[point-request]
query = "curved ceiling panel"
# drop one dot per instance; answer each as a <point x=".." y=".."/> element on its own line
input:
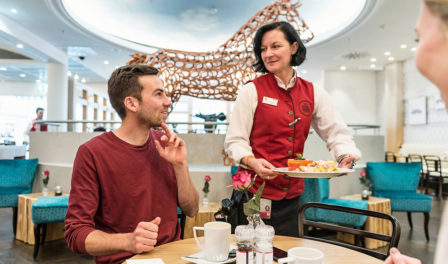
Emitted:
<point x="198" y="25"/>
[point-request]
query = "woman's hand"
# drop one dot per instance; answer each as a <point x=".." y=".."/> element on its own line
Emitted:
<point x="263" y="168"/>
<point x="396" y="257"/>
<point x="347" y="162"/>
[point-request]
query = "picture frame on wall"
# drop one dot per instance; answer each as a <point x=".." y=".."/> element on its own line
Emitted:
<point x="436" y="109"/>
<point x="416" y="111"/>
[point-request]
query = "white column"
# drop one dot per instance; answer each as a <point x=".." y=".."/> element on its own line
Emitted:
<point x="57" y="93"/>
<point x="394" y="93"/>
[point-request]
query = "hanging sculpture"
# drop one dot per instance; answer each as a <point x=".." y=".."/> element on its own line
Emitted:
<point x="219" y="74"/>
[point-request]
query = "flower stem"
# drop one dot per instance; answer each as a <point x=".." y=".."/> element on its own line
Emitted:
<point x="247" y="195"/>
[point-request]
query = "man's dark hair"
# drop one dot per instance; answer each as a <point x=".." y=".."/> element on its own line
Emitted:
<point x="124" y="82"/>
<point x="39" y="108"/>
<point x="290" y="34"/>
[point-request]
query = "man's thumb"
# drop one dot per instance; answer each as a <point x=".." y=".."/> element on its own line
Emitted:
<point x="156" y="220"/>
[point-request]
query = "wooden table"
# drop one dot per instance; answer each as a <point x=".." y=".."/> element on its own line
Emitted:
<point x="205" y="214"/>
<point x="25" y="225"/>
<point x="170" y="253"/>
<point x="373" y="224"/>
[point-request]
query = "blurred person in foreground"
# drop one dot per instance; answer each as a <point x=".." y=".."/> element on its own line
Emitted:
<point x="127" y="183"/>
<point x="432" y="61"/>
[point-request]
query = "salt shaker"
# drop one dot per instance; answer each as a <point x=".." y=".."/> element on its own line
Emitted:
<point x="245" y="244"/>
<point x="264" y="235"/>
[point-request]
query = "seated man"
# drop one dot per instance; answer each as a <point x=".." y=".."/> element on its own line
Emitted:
<point x="127" y="183"/>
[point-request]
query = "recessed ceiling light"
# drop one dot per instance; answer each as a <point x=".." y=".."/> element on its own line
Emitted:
<point x="76" y="76"/>
<point x="373" y="59"/>
<point x="19" y="45"/>
<point x="391" y="58"/>
<point x="23" y="75"/>
<point x="38" y="81"/>
<point x="414" y="49"/>
<point x="83" y="80"/>
<point x="3" y="69"/>
<point x="372" y="65"/>
<point x="304" y="71"/>
<point x="343" y="68"/>
<point x="403" y="46"/>
<point x="106" y="62"/>
<point x="69" y="73"/>
<point x="387" y="53"/>
<point x="13" y="10"/>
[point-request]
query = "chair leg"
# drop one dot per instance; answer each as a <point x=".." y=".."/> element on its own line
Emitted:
<point x="410" y="219"/>
<point x="37" y="239"/>
<point x="426" y="226"/>
<point x="44" y="234"/>
<point x="440" y="188"/>
<point x="14" y="220"/>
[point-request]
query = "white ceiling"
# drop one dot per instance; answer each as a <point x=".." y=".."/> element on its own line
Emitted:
<point x="387" y="25"/>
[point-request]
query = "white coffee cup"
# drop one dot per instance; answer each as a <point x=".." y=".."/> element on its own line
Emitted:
<point x="303" y="255"/>
<point x="217" y="240"/>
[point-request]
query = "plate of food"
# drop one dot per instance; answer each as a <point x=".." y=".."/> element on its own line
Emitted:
<point x="313" y="169"/>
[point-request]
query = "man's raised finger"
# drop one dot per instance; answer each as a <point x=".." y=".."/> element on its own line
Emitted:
<point x="166" y="129"/>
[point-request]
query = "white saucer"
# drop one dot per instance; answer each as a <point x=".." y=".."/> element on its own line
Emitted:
<point x="199" y="258"/>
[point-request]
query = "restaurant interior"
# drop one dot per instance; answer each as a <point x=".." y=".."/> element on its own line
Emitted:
<point x="59" y="55"/>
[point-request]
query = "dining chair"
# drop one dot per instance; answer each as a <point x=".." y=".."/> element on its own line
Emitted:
<point x="419" y="158"/>
<point x="435" y="174"/>
<point x="16" y="177"/>
<point x="390" y="157"/>
<point x="398" y="182"/>
<point x="317" y="190"/>
<point x="392" y="239"/>
<point x="46" y="210"/>
<point x="181" y="218"/>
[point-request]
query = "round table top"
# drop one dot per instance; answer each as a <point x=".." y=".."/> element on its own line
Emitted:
<point x="172" y="252"/>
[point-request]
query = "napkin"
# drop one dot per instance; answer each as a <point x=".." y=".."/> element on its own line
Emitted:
<point x="145" y="261"/>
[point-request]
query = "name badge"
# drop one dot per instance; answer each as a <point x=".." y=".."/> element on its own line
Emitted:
<point x="265" y="208"/>
<point x="270" y="101"/>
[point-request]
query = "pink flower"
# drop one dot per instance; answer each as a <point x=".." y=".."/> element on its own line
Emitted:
<point x="47" y="172"/>
<point x="207" y="178"/>
<point x="363" y="174"/>
<point x="241" y="180"/>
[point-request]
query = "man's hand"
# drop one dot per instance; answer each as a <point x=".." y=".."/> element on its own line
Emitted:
<point x="144" y="237"/>
<point x="396" y="257"/>
<point x="175" y="151"/>
<point x="263" y="168"/>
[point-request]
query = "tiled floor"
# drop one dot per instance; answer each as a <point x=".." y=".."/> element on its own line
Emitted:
<point x="13" y="251"/>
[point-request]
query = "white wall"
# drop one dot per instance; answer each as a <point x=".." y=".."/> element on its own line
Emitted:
<point x="432" y="134"/>
<point x="353" y="94"/>
<point x="20" y="89"/>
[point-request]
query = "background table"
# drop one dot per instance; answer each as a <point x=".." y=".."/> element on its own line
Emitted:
<point x="373" y="224"/>
<point x="205" y="214"/>
<point x="170" y="253"/>
<point x="25" y="225"/>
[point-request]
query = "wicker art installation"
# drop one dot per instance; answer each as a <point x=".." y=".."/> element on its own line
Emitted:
<point x="219" y="74"/>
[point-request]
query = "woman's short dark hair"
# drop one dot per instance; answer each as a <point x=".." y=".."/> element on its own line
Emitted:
<point x="124" y="82"/>
<point x="290" y="34"/>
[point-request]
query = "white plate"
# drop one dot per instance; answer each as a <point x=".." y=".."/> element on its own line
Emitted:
<point x="199" y="258"/>
<point x="301" y="174"/>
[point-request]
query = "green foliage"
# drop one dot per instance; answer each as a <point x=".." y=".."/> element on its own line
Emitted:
<point x="206" y="187"/>
<point x="253" y="205"/>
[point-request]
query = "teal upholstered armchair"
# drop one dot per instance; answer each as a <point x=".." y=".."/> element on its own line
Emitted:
<point x="317" y="190"/>
<point x="399" y="182"/>
<point x="16" y="177"/>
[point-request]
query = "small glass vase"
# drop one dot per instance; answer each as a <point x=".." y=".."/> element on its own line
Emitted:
<point x="45" y="190"/>
<point x="205" y="200"/>
<point x="365" y="194"/>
